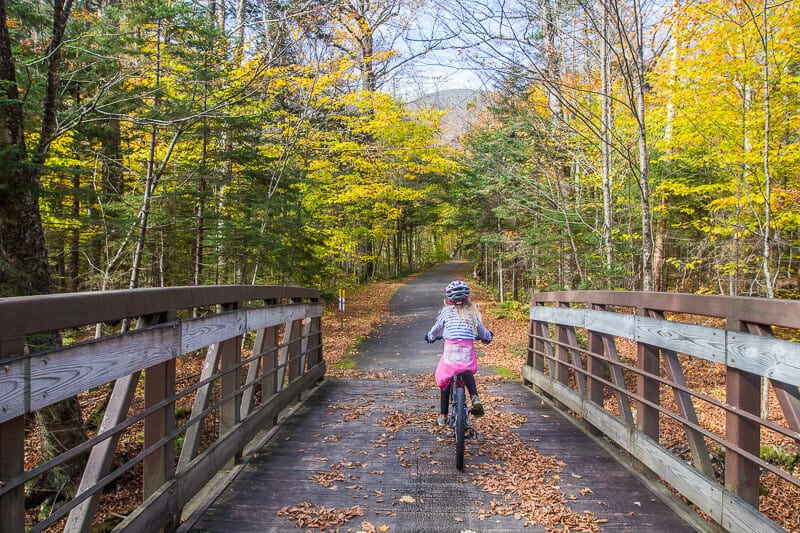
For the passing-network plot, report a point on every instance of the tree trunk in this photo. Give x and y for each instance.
(770, 290)
(74, 237)
(644, 153)
(199, 231)
(659, 245)
(605, 141)
(552, 74)
(24, 268)
(150, 179)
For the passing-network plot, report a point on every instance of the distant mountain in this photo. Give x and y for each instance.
(463, 106)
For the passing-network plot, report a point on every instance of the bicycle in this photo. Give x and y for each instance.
(459, 419)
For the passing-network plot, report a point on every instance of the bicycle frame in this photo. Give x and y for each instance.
(459, 418)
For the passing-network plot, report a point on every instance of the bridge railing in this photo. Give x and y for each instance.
(188, 429)
(577, 349)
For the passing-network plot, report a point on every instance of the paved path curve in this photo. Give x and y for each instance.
(368, 450)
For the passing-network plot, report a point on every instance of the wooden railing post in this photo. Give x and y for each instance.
(12, 450)
(562, 353)
(268, 346)
(788, 396)
(159, 385)
(316, 325)
(537, 345)
(542, 350)
(596, 388)
(647, 360)
(531, 355)
(744, 394)
(306, 337)
(291, 349)
(265, 340)
(230, 382)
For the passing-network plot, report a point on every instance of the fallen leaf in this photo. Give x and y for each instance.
(407, 499)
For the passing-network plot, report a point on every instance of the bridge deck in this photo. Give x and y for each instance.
(337, 451)
(372, 446)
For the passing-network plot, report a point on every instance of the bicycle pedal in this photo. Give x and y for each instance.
(471, 433)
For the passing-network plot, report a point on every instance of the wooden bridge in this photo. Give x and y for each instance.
(259, 440)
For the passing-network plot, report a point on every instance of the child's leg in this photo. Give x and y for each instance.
(477, 405)
(444, 400)
(469, 383)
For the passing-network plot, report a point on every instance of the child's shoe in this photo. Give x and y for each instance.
(441, 420)
(477, 407)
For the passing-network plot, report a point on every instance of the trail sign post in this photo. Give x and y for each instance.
(341, 308)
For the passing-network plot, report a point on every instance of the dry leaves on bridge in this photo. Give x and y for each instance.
(518, 475)
(307, 515)
(366, 308)
(524, 481)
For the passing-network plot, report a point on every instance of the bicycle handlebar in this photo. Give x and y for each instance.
(431, 341)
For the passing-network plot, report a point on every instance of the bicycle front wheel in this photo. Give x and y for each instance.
(460, 425)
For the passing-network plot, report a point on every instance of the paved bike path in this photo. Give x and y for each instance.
(367, 451)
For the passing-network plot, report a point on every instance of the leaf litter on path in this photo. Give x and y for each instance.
(523, 482)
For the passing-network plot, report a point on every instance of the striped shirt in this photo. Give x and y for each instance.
(450, 326)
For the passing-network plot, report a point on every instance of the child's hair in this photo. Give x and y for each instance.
(468, 313)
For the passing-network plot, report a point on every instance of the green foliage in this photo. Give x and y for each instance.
(261, 169)
(345, 364)
(503, 371)
(779, 456)
(267, 165)
(45, 508)
(511, 309)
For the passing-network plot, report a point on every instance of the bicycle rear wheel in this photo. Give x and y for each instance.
(460, 425)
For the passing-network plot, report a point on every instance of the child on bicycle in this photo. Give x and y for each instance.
(459, 324)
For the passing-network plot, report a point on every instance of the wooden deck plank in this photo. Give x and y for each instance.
(323, 437)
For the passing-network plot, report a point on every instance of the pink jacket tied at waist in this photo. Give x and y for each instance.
(458, 356)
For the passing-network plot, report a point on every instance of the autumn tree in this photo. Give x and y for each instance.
(731, 149)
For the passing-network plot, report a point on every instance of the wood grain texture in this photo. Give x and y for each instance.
(201, 332)
(699, 341)
(13, 394)
(264, 317)
(618, 324)
(66, 372)
(766, 356)
(559, 315)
